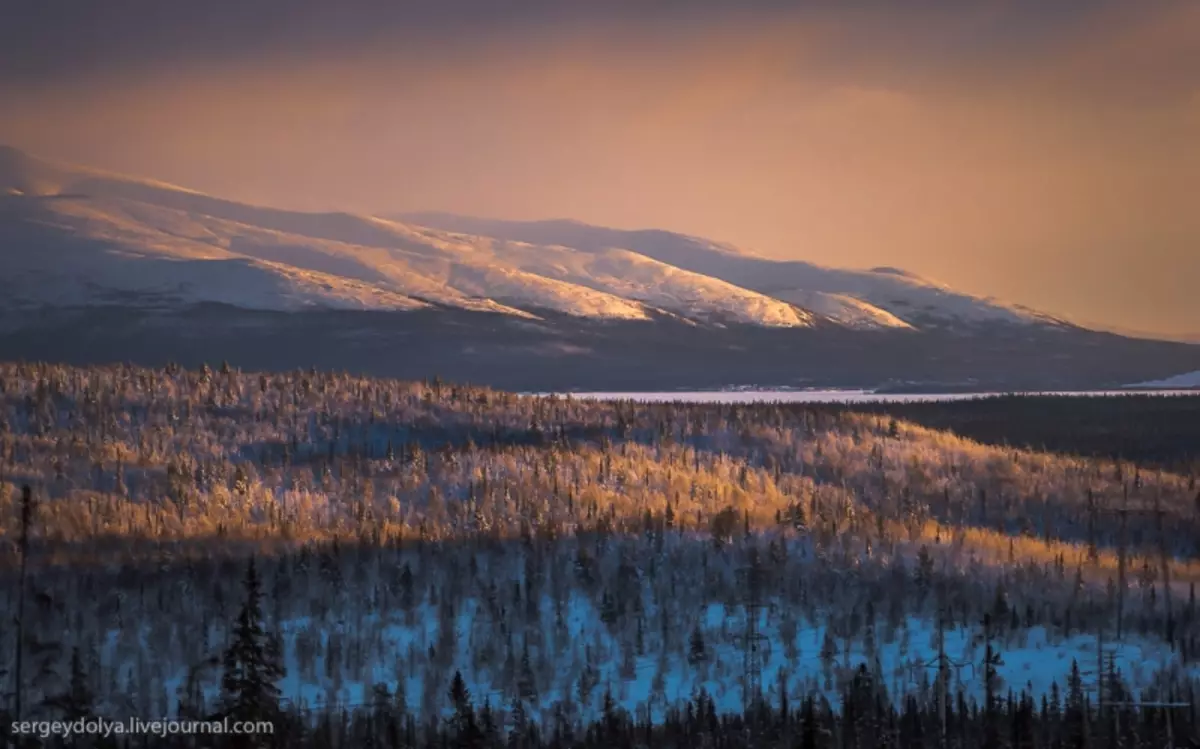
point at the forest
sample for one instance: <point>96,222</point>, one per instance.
<point>370,562</point>
<point>1150,429</point>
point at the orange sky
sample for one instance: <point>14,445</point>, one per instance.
<point>1054,164</point>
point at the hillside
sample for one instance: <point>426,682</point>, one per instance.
<point>115,231</point>
<point>118,228</point>
<point>553,550</point>
<point>96,267</point>
<point>1187,380</point>
<point>889,297</point>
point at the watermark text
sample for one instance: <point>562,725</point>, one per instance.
<point>45,729</point>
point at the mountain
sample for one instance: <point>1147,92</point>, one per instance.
<point>885,297</point>
<point>144,239</point>
<point>101,266</point>
<point>1185,380</point>
<point>122,230</point>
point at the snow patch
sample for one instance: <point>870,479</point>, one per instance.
<point>844,309</point>
<point>1188,380</point>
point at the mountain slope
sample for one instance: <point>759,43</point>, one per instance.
<point>357,260</point>
<point>515,268</point>
<point>102,267</point>
<point>1186,380</point>
<point>897,295</point>
<point>844,309</point>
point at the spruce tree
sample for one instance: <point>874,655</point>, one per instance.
<point>252,663</point>
<point>526,683</point>
<point>77,701</point>
<point>518,736</point>
<point>1077,717</point>
<point>488,725</point>
<point>697,652</point>
<point>464,726</point>
<point>808,724</point>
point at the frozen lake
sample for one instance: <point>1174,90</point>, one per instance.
<point>831,396</point>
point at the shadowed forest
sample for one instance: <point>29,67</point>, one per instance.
<point>1151,430</point>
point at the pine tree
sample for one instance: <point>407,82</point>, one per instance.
<point>808,724</point>
<point>380,728</point>
<point>610,718</point>
<point>608,609</point>
<point>463,724</point>
<point>251,663</point>
<point>828,655</point>
<point>924,574</point>
<point>697,651</point>
<point>1077,717</point>
<point>860,713</point>
<point>518,735</point>
<point>407,588</point>
<point>526,684</point>
<point>77,701</point>
<point>460,696</point>
<point>488,725</point>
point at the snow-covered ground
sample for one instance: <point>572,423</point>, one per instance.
<point>844,309</point>
<point>1033,661</point>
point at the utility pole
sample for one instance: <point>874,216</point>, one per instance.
<point>943,675</point>
<point>1100,673</point>
<point>1092,550</point>
<point>943,665</point>
<point>991,659</point>
<point>1165,560</point>
<point>755,645</point>
<point>1122,551</point>
<point>1107,694</point>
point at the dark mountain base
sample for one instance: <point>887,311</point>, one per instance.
<point>564,353</point>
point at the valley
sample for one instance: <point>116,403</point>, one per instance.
<point>579,560</point>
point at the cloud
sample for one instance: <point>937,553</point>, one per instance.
<point>1136,52</point>
<point>53,40</point>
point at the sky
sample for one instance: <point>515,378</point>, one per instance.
<point>1043,153</point>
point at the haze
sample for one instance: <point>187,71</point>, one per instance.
<point>1046,155</point>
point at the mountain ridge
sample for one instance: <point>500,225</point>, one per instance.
<point>102,267</point>
<point>895,291</point>
<point>511,267</point>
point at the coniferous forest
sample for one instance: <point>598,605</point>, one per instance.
<point>376,563</point>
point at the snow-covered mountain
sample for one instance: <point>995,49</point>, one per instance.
<point>844,309</point>
<point>879,297</point>
<point>77,236</point>
<point>1186,380</point>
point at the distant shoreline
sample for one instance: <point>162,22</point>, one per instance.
<point>836,395</point>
